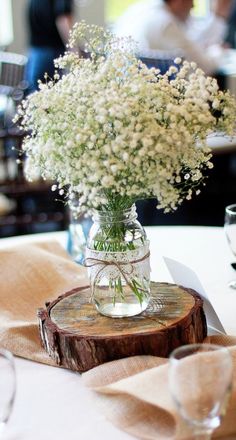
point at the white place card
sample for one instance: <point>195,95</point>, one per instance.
<point>186,277</point>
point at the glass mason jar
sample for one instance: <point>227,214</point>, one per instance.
<point>117,258</point>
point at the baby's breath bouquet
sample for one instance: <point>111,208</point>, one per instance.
<point>111,131</point>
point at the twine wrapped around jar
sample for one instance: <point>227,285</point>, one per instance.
<point>114,264</point>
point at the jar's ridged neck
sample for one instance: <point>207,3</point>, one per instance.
<point>115,216</point>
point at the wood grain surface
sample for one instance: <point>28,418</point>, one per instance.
<point>79,338</point>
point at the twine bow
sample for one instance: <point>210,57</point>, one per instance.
<point>92,261</point>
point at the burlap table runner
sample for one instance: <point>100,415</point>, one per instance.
<point>30,275</point>
<point>134,395</point>
<point>132,392</point>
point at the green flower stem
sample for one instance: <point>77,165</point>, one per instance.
<point>112,239</point>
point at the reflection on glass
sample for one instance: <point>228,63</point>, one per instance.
<point>230,232</point>
<point>200,382</point>
<point>77,234</point>
<point>7,387</point>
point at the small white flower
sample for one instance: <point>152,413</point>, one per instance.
<point>114,169</point>
<point>177,60</point>
<point>125,156</point>
<point>112,128</point>
<point>107,181</point>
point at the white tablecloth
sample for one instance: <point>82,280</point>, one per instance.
<point>52,403</point>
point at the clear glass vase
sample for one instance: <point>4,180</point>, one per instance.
<point>78,229</point>
<point>117,258</point>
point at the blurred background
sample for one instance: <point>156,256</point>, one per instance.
<point>13,30</point>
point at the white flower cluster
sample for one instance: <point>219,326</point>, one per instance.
<point>111,131</point>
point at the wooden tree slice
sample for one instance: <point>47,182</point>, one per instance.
<point>76,336</point>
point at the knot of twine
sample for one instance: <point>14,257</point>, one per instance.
<point>92,261</point>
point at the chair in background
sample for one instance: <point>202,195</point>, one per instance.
<point>159,59</point>
<point>163,64</point>
<point>27,207</point>
<point>12,85</point>
<point>12,68</point>
<point>30,207</point>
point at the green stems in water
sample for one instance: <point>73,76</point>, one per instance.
<point>120,265</point>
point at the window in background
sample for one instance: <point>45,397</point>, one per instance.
<point>115,8</point>
<point>201,8</point>
<point>6,27</point>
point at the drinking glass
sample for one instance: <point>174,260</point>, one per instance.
<point>7,387</point>
<point>230,232</point>
<point>200,382</point>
